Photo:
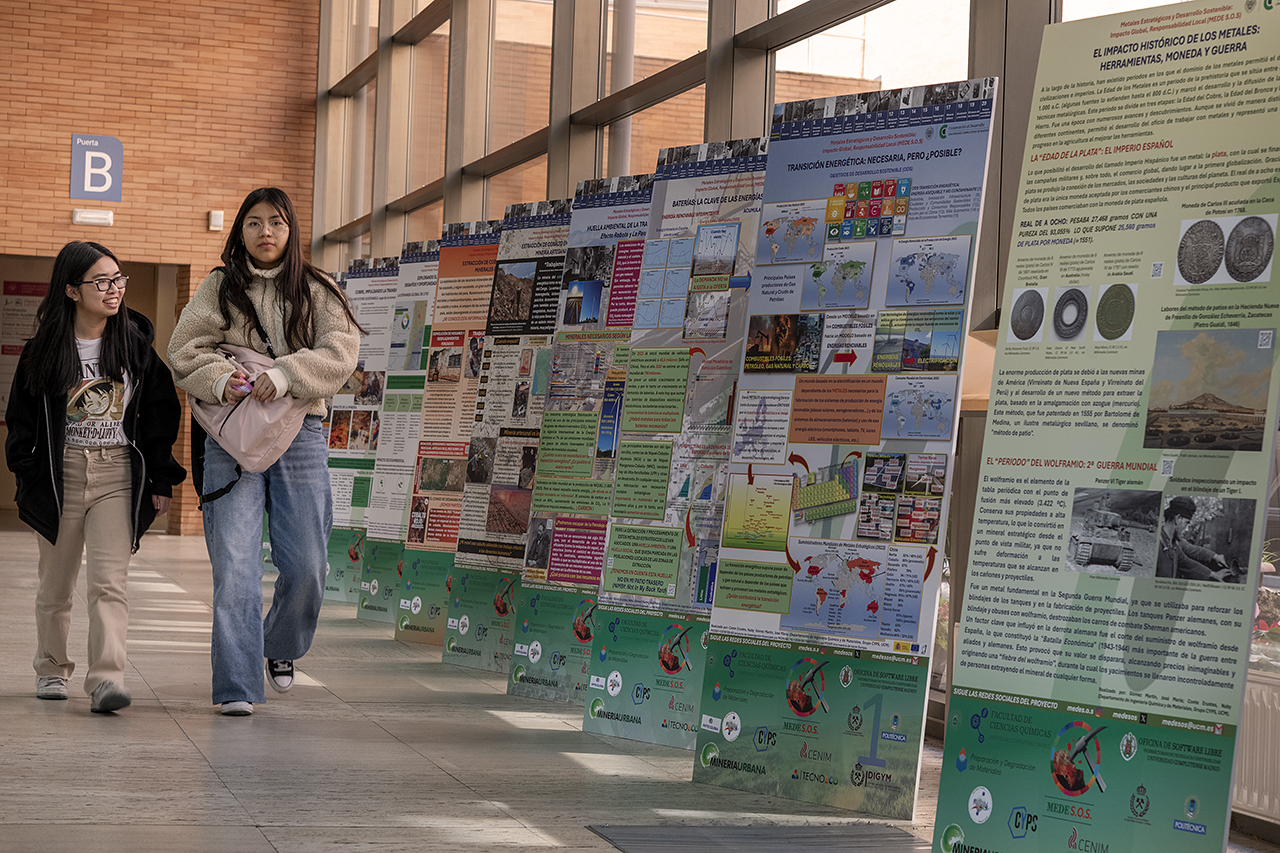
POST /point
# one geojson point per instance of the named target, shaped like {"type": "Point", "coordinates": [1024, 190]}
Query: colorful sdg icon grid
{"type": "Point", "coordinates": [868, 209]}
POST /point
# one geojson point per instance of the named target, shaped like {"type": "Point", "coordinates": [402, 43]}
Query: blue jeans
{"type": "Point", "coordinates": [295, 494]}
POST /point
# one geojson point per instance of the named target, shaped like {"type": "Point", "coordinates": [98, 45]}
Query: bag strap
{"type": "Point", "coordinates": [210, 497]}
{"type": "Point", "coordinates": [262, 333]}
{"type": "Point", "coordinates": [257, 322]}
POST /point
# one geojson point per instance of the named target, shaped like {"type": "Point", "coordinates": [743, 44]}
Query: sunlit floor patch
{"type": "Point", "coordinates": [605, 764]}
{"type": "Point", "coordinates": [534, 720]}
{"type": "Point", "coordinates": [171, 608]}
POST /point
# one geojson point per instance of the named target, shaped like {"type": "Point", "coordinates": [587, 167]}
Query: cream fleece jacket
{"type": "Point", "coordinates": [315, 374]}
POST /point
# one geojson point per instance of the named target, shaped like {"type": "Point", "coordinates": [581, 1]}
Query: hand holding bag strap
{"type": "Point", "coordinates": [253, 432]}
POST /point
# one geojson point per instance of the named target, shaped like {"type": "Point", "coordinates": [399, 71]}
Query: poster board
{"type": "Point", "coordinates": [667, 507]}
{"type": "Point", "coordinates": [830, 557]}
{"type": "Point", "coordinates": [1104, 637]}
{"type": "Point", "coordinates": [502, 456]}
{"type": "Point", "coordinates": [451, 322]}
{"type": "Point", "coordinates": [354, 420]}
{"type": "Point", "coordinates": [569, 513]}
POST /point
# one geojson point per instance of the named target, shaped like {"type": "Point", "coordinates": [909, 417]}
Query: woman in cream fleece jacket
{"type": "Point", "coordinates": [266, 297]}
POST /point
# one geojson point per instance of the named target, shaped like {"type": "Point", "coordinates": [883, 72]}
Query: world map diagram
{"type": "Point", "coordinates": [923, 269]}
{"type": "Point", "coordinates": [752, 437]}
{"type": "Point", "coordinates": [921, 407]}
{"type": "Point", "coordinates": [837, 590]}
{"type": "Point", "coordinates": [838, 275]}
{"type": "Point", "coordinates": [794, 229]}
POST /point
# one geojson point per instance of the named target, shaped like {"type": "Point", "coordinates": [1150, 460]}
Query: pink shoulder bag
{"type": "Point", "coordinates": [254, 433]}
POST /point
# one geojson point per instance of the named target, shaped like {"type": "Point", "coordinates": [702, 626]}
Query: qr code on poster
{"type": "Point", "coordinates": [1166, 467]}
{"type": "Point", "coordinates": [1157, 269]}
{"type": "Point", "coordinates": [1265, 337]}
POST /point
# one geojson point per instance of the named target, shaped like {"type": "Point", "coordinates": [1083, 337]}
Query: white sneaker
{"type": "Point", "coordinates": [237, 709]}
{"type": "Point", "coordinates": [51, 687]}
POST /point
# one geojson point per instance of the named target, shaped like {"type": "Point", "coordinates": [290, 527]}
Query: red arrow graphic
{"type": "Point", "coordinates": [795, 567]}
{"type": "Point", "coordinates": [933, 555]}
{"type": "Point", "coordinates": [845, 357]}
{"type": "Point", "coordinates": [751, 478]}
{"type": "Point", "coordinates": [796, 457]}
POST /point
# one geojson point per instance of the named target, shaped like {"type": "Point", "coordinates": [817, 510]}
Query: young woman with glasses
{"type": "Point", "coordinates": [265, 296]}
{"type": "Point", "coordinates": [92, 418]}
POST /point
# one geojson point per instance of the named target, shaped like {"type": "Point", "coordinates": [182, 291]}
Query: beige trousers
{"type": "Point", "coordinates": [96, 523]}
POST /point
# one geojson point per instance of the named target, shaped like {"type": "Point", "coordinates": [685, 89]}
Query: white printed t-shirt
{"type": "Point", "coordinates": [96, 403]}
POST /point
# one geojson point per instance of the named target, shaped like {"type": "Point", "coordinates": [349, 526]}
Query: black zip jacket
{"type": "Point", "coordinates": [37, 436]}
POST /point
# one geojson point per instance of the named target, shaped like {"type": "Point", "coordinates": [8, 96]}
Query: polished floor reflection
{"type": "Point", "coordinates": [380, 746]}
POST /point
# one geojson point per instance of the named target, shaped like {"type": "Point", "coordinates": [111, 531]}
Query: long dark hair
{"type": "Point", "coordinates": [292, 281]}
{"type": "Point", "coordinates": [53, 363]}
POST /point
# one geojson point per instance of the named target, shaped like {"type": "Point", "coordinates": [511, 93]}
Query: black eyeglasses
{"type": "Point", "coordinates": [105, 284]}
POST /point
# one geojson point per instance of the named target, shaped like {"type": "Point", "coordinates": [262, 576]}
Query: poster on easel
{"type": "Point", "coordinates": [450, 339]}
{"type": "Point", "coordinates": [1104, 638]}
{"type": "Point", "coordinates": [573, 481]}
{"type": "Point", "coordinates": [502, 456]}
{"type": "Point", "coordinates": [421, 604]}
{"type": "Point", "coordinates": [404, 316]}
{"type": "Point", "coordinates": [354, 424]}
{"type": "Point", "coordinates": [830, 559]}
{"type": "Point", "coordinates": [675, 426]}
{"type": "Point", "coordinates": [346, 544]}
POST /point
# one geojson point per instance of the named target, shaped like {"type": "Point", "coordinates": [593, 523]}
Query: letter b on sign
{"type": "Point", "coordinates": [97, 167]}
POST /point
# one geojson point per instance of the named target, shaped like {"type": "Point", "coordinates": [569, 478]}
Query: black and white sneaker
{"type": "Point", "coordinates": [280, 675]}
{"type": "Point", "coordinates": [109, 697]}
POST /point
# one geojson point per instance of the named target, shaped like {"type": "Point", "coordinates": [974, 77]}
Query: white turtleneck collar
{"type": "Point", "coordinates": [267, 274]}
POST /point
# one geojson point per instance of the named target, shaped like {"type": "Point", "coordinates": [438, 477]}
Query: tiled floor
{"type": "Point", "coordinates": [379, 747]}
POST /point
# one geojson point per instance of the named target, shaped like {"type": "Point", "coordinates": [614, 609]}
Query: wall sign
{"type": "Point", "coordinates": [97, 167]}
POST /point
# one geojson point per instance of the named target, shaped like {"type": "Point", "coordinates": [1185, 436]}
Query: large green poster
{"type": "Point", "coordinates": [1103, 642]}
{"type": "Point", "coordinates": [645, 674]}
{"type": "Point", "coordinates": [818, 723]}
{"type": "Point", "coordinates": [694, 272]}
{"type": "Point", "coordinates": [380, 580]}
{"type": "Point", "coordinates": [346, 559]}
{"type": "Point", "coordinates": [482, 609]}
{"type": "Point", "coordinates": [423, 598]}
{"type": "Point", "coordinates": [553, 641]}
{"type": "Point", "coordinates": [577, 449]}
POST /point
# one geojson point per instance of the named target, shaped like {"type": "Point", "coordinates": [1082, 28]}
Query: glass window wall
{"type": "Point", "coordinates": [526, 182]}
{"type": "Point", "coordinates": [520, 70]}
{"type": "Point", "coordinates": [646, 36]}
{"type": "Point", "coordinates": [633, 143]}
{"type": "Point", "coordinates": [357, 180]}
{"type": "Point", "coordinates": [362, 31]}
{"type": "Point", "coordinates": [869, 53]}
{"type": "Point", "coordinates": [428, 98]}
{"type": "Point", "coordinates": [425, 223]}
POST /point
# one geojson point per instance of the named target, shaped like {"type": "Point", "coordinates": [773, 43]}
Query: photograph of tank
{"type": "Point", "coordinates": [1113, 532]}
{"type": "Point", "coordinates": [1209, 389]}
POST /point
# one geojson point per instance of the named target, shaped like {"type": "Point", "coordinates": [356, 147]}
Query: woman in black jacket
{"type": "Point", "coordinates": [92, 418]}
